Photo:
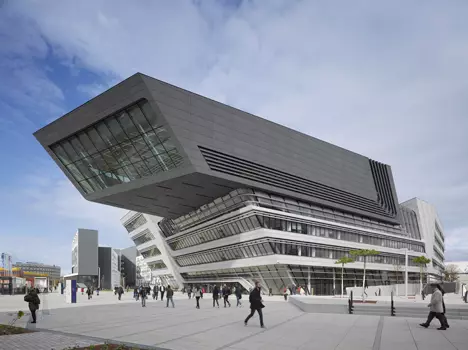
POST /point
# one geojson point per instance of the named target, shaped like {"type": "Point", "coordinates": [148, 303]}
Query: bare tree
{"type": "Point", "coordinates": [451, 273]}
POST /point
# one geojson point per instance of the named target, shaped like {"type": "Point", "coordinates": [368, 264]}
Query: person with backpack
{"type": "Point", "coordinates": [239, 297]}
{"type": "Point", "coordinates": [33, 302]}
{"type": "Point", "coordinates": [256, 304]}
{"type": "Point", "coordinates": [286, 292]}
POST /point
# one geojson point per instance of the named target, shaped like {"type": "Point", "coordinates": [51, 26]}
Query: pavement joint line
{"type": "Point", "coordinates": [100, 340]}
{"type": "Point", "coordinates": [412, 335]}
{"type": "Point", "coordinates": [378, 334]}
{"type": "Point", "coordinates": [209, 330]}
{"type": "Point", "coordinates": [264, 330]}
{"type": "Point", "coordinates": [347, 332]}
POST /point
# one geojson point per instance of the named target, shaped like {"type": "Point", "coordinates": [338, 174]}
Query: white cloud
{"type": "Point", "coordinates": [387, 80]}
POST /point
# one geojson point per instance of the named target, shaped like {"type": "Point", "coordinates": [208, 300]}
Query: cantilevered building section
{"type": "Point", "coordinates": [228, 196]}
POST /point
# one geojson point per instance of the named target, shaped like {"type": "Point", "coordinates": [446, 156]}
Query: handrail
{"type": "Point", "coordinates": [350, 303]}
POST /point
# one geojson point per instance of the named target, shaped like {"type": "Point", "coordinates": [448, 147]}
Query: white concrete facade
{"type": "Point", "coordinates": [317, 244]}
{"type": "Point", "coordinates": [431, 233]}
{"type": "Point", "coordinates": [154, 251]}
{"type": "Point", "coordinates": [85, 252]}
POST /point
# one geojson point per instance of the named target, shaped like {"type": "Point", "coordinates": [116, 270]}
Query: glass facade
{"type": "Point", "coordinates": [320, 278]}
{"type": "Point", "coordinates": [123, 147]}
{"type": "Point", "coordinates": [243, 197]}
{"type": "Point", "coordinates": [269, 246]}
{"type": "Point", "coordinates": [257, 221]}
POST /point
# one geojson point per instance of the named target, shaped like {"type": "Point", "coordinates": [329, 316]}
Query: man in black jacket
{"type": "Point", "coordinates": [255, 300]}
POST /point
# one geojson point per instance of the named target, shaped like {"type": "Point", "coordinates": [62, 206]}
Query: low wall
{"type": "Point", "coordinates": [323, 306]}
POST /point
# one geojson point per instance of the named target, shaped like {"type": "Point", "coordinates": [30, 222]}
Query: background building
{"type": "Point", "coordinates": [144, 274]}
{"type": "Point", "coordinates": [109, 268]}
{"type": "Point", "coordinates": [231, 197]}
{"type": "Point", "coordinates": [34, 269]}
{"type": "Point", "coordinates": [127, 263]}
{"type": "Point", "coordinates": [85, 257]}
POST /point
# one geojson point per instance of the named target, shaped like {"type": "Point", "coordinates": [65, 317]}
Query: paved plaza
{"type": "Point", "coordinates": [186, 328]}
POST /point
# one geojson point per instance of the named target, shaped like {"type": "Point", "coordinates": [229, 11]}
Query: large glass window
{"type": "Point", "coordinates": [118, 149]}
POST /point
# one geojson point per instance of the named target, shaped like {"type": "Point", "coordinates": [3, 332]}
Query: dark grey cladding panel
{"type": "Point", "coordinates": [103, 105]}
{"type": "Point", "coordinates": [200, 122]}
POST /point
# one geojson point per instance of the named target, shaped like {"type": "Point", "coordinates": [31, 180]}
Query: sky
{"type": "Point", "coordinates": [388, 80]}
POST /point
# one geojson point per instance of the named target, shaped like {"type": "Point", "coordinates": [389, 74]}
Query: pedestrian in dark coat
{"type": "Point", "coordinates": [256, 304]}
{"type": "Point", "coordinates": [33, 302]}
{"type": "Point", "coordinates": [215, 296]}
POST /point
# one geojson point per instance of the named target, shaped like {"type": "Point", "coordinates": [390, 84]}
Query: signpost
{"type": "Point", "coordinates": [70, 291]}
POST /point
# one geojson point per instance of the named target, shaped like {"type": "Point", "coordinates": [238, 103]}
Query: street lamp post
{"type": "Point", "coordinates": [406, 272]}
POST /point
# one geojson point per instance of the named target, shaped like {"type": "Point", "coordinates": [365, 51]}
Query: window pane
{"type": "Point", "coordinates": [84, 167]}
{"type": "Point", "coordinates": [142, 169]}
{"type": "Point", "coordinates": [86, 142]}
{"type": "Point", "coordinates": [78, 147]}
{"type": "Point", "coordinates": [139, 119]}
{"type": "Point", "coordinates": [96, 183]}
{"type": "Point", "coordinates": [116, 129]}
{"type": "Point", "coordinates": [141, 147]}
{"type": "Point", "coordinates": [110, 159]}
{"type": "Point", "coordinates": [168, 145]}
{"type": "Point", "coordinates": [60, 154]}
{"type": "Point", "coordinates": [75, 172]}
{"type": "Point", "coordinates": [132, 172]}
{"type": "Point", "coordinates": [162, 133]}
{"type": "Point", "coordinates": [86, 187]}
{"type": "Point", "coordinates": [166, 161]}
{"type": "Point", "coordinates": [120, 155]}
{"type": "Point", "coordinates": [106, 135]}
{"type": "Point", "coordinates": [149, 113]}
{"type": "Point", "coordinates": [70, 150]}
{"type": "Point", "coordinates": [131, 152]}
{"type": "Point", "coordinates": [109, 179]}
{"type": "Point", "coordinates": [127, 125]}
{"type": "Point", "coordinates": [96, 139]}
{"type": "Point", "coordinates": [99, 162]}
{"type": "Point", "coordinates": [153, 142]}
{"type": "Point", "coordinates": [153, 165]}
{"type": "Point", "coordinates": [122, 175]}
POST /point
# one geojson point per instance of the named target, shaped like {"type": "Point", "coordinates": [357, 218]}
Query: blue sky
{"type": "Point", "coordinates": [387, 80]}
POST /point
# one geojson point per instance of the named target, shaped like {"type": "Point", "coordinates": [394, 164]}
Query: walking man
{"type": "Point", "coordinates": [33, 302]}
{"type": "Point", "coordinates": [270, 292]}
{"type": "Point", "coordinates": [436, 309]}
{"type": "Point", "coordinates": [143, 296]}
{"type": "Point", "coordinates": [120, 292]}
{"type": "Point", "coordinates": [189, 292]}
{"type": "Point", "coordinates": [162, 289]}
{"type": "Point", "coordinates": [155, 293]}
{"type": "Point", "coordinates": [226, 292]}
{"type": "Point", "coordinates": [255, 299]}
{"type": "Point", "coordinates": [169, 295]}
{"type": "Point", "coordinates": [239, 297]}
{"type": "Point", "coordinates": [215, 296]}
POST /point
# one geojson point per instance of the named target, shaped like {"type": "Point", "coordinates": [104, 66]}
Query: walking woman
{"type": "Point", "coordinates": [215, 296]}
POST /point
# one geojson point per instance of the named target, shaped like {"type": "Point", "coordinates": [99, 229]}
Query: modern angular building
{"type": "Point", "coordinates": [231, 197]}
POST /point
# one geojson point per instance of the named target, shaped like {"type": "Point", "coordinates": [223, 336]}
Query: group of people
{"type": "Point", "coordinates": [143, 292]}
